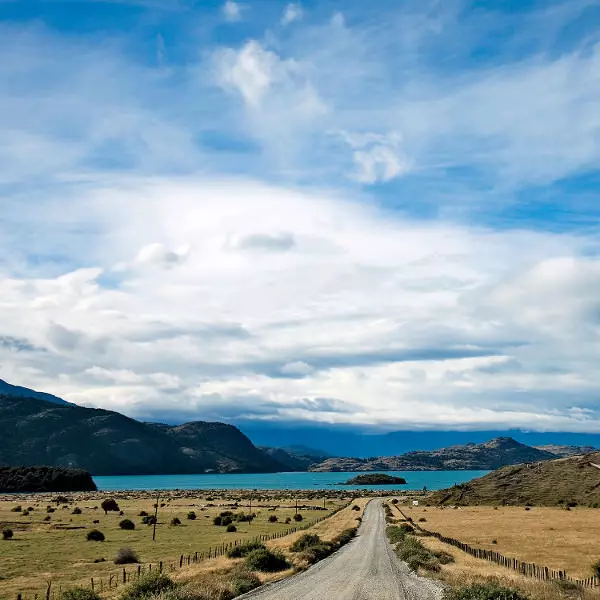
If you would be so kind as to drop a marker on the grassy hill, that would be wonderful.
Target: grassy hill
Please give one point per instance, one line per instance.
(574, 480)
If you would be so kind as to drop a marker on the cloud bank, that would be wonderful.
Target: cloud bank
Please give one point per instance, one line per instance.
(288, 212)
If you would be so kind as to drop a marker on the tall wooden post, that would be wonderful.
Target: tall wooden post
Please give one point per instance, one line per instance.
(155, 517)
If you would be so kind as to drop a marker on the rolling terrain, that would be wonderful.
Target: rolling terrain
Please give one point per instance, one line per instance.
(573, 480)
(487, 456)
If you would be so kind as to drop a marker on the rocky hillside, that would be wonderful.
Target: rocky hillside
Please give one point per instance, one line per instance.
(574, 480)
(45, 479)
(36, 432)
(487, 456)
(564, 451)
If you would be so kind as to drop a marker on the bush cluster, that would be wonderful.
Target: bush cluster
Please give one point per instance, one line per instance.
(95, 535)
(313, 549)
(148, 585)
(78, 593)
(413, 552)
(266, 561)
(7, 534)
(483, 591)
(244, 549)
(126, 556)
(127, 524)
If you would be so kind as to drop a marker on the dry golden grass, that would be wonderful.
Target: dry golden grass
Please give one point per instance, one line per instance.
(473, 527)
(467, 570)
(552, 537)
(326, 530)
(58, 551)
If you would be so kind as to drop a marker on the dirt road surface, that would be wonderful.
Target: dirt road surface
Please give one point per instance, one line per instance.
(364, 569)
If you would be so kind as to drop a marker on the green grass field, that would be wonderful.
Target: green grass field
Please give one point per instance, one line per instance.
(57, 550)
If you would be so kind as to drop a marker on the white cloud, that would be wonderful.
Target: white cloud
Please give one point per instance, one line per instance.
(232, 11)
(250, 71)
(159, 255)
(407, 322)
(293, 12)
(297, 368)
(378, 157)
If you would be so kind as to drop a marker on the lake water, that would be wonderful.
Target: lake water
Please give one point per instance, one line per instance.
(415, 480)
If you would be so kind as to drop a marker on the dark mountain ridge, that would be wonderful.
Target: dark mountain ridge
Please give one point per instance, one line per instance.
(37, 432)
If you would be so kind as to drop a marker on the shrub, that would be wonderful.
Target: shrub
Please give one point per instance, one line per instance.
(127, 524)
(16, 508)
(422, 520)
(126, 556)
(394, 500)
(406, 527)
(231, 528)
(191, 515)
(445, 558)
(356, 507)
(175, 521)
(95, 535)
(47, 518)
(415, 555)
(244, 549)
(61, 500)
(223, 520)
(273, 519)
(596, 568)
(288, 521)
(265, 560)
(76, 511)
(483, 591)
(304, 541)
(142, 513)
(298, 517)
(78, 593)
(317, 552)
(343, 538)
(7, 534)
(109, 504)
(148, 520)
(395, 534)
(226, 513)
(148, 585)
(49, 509)
(243, 581)
(243, 517)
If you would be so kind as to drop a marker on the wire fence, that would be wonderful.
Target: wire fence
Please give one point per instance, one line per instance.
(533, 570)
(128, 575)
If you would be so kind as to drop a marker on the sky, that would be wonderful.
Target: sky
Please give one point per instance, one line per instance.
(375, 215)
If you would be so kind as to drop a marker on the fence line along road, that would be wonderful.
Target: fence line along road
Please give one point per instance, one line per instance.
(528, 569)
(125, 576)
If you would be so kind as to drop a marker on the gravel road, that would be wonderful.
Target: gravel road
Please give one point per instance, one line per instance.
(364, 569)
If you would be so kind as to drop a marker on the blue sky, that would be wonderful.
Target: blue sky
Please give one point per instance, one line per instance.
(363, 214)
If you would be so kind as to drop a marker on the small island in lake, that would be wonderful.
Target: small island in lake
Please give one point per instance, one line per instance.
(375, 479)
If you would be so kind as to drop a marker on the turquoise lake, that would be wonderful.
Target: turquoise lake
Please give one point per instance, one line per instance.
(415, 480)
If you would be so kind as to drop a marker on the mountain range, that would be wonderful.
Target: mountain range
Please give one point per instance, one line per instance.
(42, 429)
(487, 456)
(37, 432)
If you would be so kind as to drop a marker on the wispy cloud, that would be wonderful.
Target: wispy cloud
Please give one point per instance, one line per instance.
(232, 11)
(293, 12)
